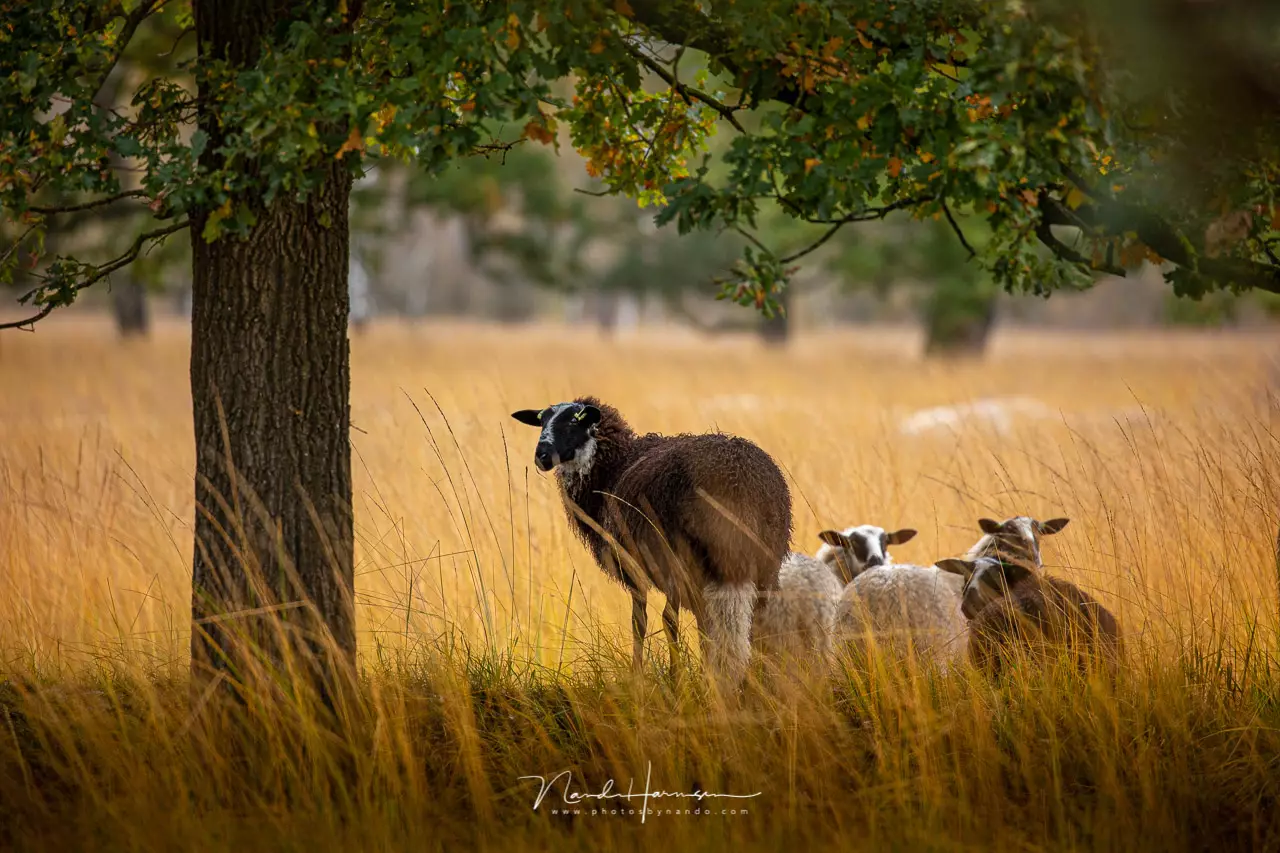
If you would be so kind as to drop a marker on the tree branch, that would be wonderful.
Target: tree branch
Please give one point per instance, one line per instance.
(955, 226)
(688, 92)
(861, 216)
(1045, 234)
(865, 215)
(131, 23)
(88, 205)
(1114, 218)
(682, 22)
(121, 261)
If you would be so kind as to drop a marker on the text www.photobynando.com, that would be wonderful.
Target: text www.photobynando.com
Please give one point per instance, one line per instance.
(575, 800)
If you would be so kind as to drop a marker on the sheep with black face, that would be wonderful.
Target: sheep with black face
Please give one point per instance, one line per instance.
(706, 519)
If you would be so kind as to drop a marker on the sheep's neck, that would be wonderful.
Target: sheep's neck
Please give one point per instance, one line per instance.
(584, 492)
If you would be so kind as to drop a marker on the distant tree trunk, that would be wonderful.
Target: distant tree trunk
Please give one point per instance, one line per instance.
(959, 323)
(128, 296)
(129, 307)
(777, 329)
(605, 304)
(270, 379)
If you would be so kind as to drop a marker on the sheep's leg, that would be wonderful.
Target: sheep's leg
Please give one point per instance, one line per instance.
(671, 622)
(639, 627)
(729, 615)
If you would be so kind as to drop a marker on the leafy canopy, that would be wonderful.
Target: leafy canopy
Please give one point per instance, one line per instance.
(1014, 112)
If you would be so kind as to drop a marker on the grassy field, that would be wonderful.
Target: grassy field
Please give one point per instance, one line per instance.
(494, 649)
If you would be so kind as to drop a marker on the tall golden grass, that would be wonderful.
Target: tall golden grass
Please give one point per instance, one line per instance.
(494, 649)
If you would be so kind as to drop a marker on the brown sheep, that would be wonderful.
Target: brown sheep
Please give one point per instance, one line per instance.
(1009, 605)
(706, 519)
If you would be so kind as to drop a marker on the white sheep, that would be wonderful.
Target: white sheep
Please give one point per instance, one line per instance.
(852, 551)
(904, 605)
(801, 614)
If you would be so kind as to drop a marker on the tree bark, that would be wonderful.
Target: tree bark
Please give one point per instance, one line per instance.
(270, 380)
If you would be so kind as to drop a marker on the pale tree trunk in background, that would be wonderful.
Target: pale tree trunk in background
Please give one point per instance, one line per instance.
(270, 381)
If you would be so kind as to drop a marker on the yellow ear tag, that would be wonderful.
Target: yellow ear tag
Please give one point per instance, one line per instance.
(579, 416)
(540, 414)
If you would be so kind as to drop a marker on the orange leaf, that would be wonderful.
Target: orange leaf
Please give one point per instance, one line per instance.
(597, 46)
(895, 166)
(809, 163)
(513, 31)
(623, 8)
(539, 132)
(1029, 197)
(355, 142)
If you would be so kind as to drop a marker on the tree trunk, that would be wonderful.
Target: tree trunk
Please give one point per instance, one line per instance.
(270, 380)
(129, 307)
(777, 329)
(605, 305)
(959, 323)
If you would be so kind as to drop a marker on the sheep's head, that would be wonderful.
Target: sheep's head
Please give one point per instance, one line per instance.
(854, 550)
(986, 579)
(568, 436)
(1015, 539)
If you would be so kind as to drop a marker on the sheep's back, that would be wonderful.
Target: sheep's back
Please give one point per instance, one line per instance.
(801, 612)
(743, 530)
(1051, 613)
(903, 602)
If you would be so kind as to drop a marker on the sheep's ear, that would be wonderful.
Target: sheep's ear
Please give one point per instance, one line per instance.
(1052, 526)
(529, 416)
(589, 416)
(989, 526)
(899, 537)
(834, 538)
(964, 568)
